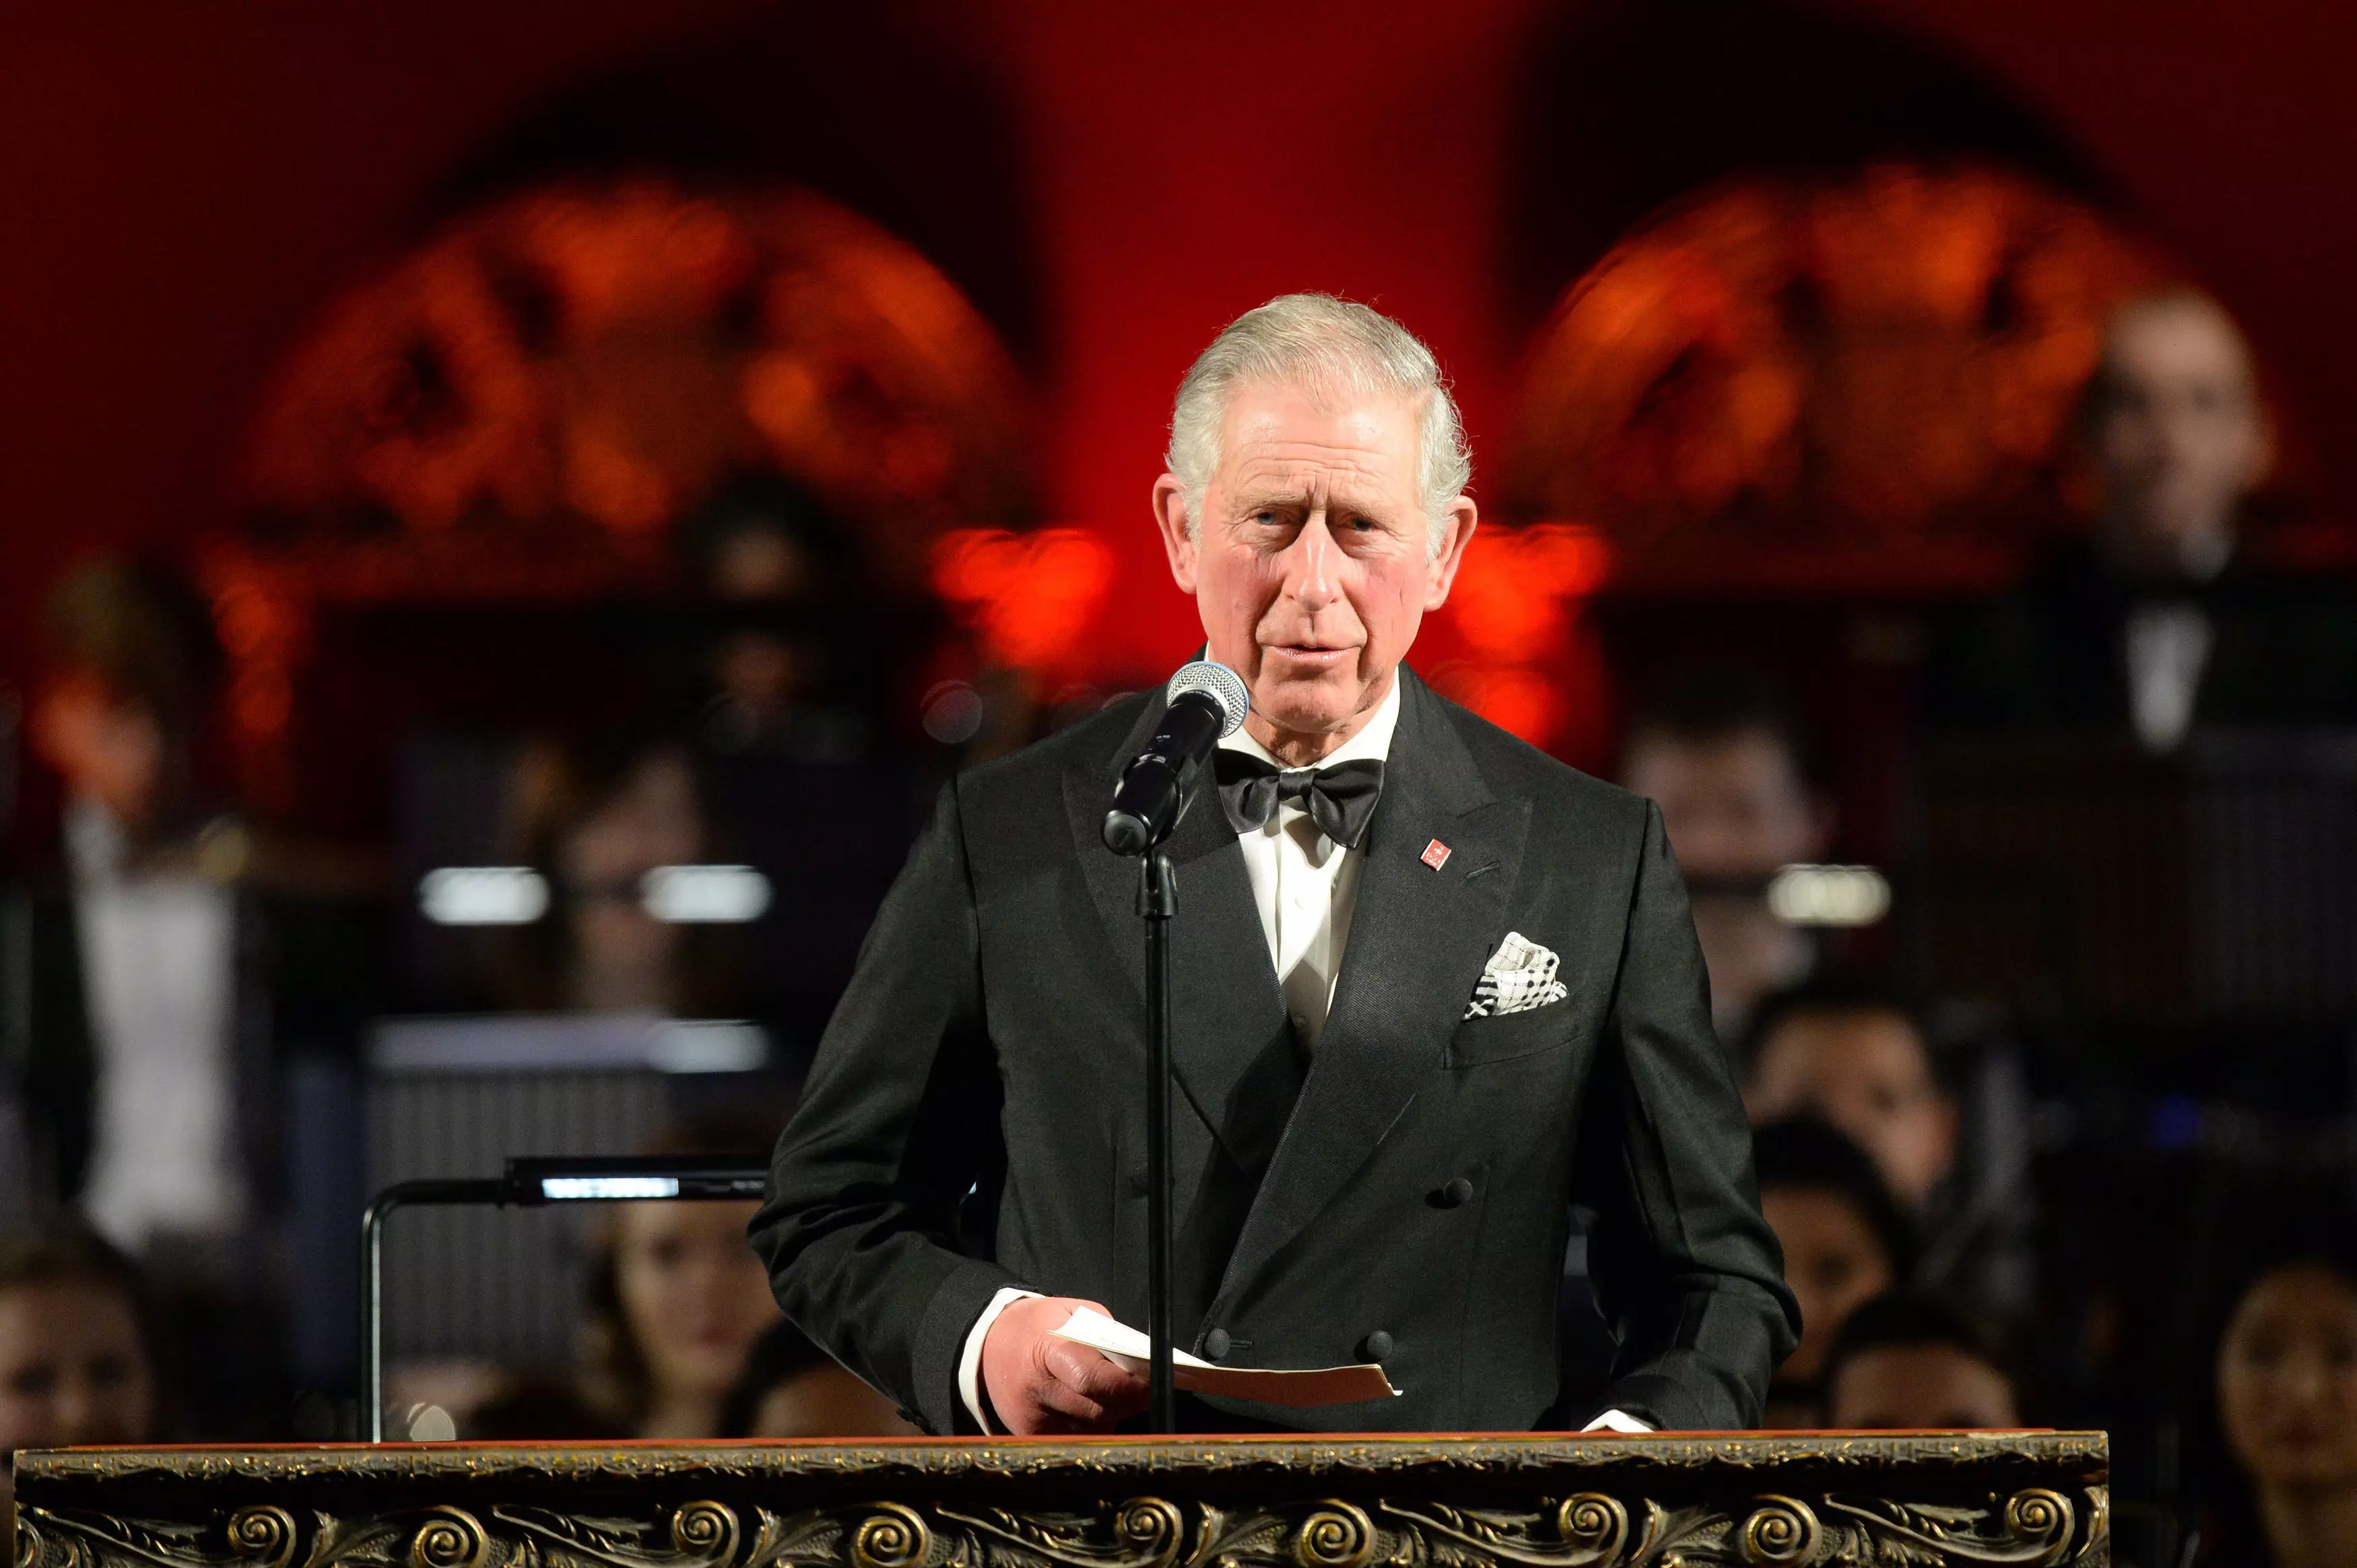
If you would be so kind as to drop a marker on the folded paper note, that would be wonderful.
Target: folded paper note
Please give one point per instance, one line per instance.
(1296, 1390)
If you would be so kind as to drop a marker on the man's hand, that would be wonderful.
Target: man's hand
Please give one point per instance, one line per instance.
(1036, 1383)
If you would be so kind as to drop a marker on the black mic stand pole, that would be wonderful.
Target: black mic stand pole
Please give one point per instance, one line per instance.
(1157, 900)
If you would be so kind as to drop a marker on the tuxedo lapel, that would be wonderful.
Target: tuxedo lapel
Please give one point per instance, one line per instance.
(1232, 1046)
(1418, 937)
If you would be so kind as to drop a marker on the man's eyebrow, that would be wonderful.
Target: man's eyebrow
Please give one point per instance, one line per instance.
(1271, 495)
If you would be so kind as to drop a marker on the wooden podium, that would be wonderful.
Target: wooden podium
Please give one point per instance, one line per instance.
(2031, 1497)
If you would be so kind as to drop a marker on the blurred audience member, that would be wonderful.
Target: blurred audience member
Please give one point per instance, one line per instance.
(1844, 1242)
(1724, 754)
(143, 997)
(78, 1357)
(807, 696)
(677, 1302)
(778, 585)
(595, 814)
(791, 1387)
(1860, 1061)
(2285, 1371)
(178, 962)
(2161, 621)
(1911, 1361)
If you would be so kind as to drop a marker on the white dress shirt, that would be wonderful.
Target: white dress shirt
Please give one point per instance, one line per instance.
(1306, 886)
(159, 958)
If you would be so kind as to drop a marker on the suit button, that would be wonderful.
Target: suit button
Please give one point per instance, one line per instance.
(1457, 1193)
(1139, 1183)
(1215, 1345)
(1375, 1346)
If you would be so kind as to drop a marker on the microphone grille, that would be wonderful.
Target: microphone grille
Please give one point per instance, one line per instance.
(1219, 683)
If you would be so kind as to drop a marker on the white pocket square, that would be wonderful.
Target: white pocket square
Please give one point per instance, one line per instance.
(1519, 976)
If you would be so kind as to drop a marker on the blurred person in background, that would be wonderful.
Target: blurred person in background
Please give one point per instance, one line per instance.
(1861, 1058)
(677, 1302)
(791, 1387)
(1724, 754)
(673, 1303)
(178, 962)
(805, 711)
(594, 814)
(78, 1362)
(777, 585)
(1909, 1360)
(2283, 1489)
(1861, 1062)
(2162, 620)
(1845, 1244)
(145, 1011)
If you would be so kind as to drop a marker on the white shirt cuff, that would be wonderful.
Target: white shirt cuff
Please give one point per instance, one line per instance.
(1610, 1421)
(970, 1358)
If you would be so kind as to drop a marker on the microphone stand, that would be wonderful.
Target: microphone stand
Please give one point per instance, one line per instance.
(1205, 702)
(1157, 900)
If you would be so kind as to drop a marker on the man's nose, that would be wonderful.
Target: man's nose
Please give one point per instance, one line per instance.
(1309, 565)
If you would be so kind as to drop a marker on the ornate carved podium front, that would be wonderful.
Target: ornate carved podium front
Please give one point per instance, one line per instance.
(1354, 1502)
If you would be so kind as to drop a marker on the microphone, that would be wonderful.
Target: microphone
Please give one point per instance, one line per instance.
(1207, 704)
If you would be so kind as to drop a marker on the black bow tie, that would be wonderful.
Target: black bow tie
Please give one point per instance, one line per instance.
(1340, 799)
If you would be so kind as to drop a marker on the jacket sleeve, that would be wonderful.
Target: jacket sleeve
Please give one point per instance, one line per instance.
(897, 1124)
(1689, 1276)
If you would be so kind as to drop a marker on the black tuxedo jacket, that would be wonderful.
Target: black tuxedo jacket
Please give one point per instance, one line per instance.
(1413, 1180)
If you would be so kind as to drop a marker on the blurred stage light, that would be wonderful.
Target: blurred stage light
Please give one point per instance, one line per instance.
(1829, 895)
(708, 1045)
(606, 1188)
(705, 894)
(482, 895)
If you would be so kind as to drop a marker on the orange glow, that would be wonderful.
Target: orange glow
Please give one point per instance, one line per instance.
(1030, 594)
(1874, 363)
(1516, 603)
(590, 360)
(1512, 593)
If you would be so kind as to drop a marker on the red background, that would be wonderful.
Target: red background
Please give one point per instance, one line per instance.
(181, 188)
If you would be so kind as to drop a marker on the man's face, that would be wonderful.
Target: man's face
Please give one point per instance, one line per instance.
(1833, 1262)
(1918, 1387)
(1864, 1070)
(1311, 564)
(1733, 805)
(2178, 435)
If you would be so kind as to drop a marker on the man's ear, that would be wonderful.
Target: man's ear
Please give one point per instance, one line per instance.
(1457, 532)
(1170, 517)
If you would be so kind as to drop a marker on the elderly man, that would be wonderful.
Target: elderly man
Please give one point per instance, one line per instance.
(1416, 1018)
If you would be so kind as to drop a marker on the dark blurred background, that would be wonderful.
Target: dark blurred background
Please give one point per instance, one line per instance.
(507, 513)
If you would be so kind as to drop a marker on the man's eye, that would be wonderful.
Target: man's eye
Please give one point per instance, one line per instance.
(1265, 515)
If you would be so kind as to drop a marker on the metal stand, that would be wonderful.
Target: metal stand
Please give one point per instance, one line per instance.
(528, 1184)
(1157, 900)
(487, 1190)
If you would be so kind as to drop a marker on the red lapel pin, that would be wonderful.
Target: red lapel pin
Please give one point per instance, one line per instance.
(1435, 854)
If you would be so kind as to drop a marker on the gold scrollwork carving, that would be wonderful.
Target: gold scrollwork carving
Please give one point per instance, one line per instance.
(1150, 1531)
(262, 1535)
(705, 1532)
(2037, 1515)
(1779, 1530)
(1338, 1535)
(893, 1536)
(450, 1538)
(1593, 1525)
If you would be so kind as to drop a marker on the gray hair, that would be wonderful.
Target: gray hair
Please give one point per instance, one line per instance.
(1329, 346)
